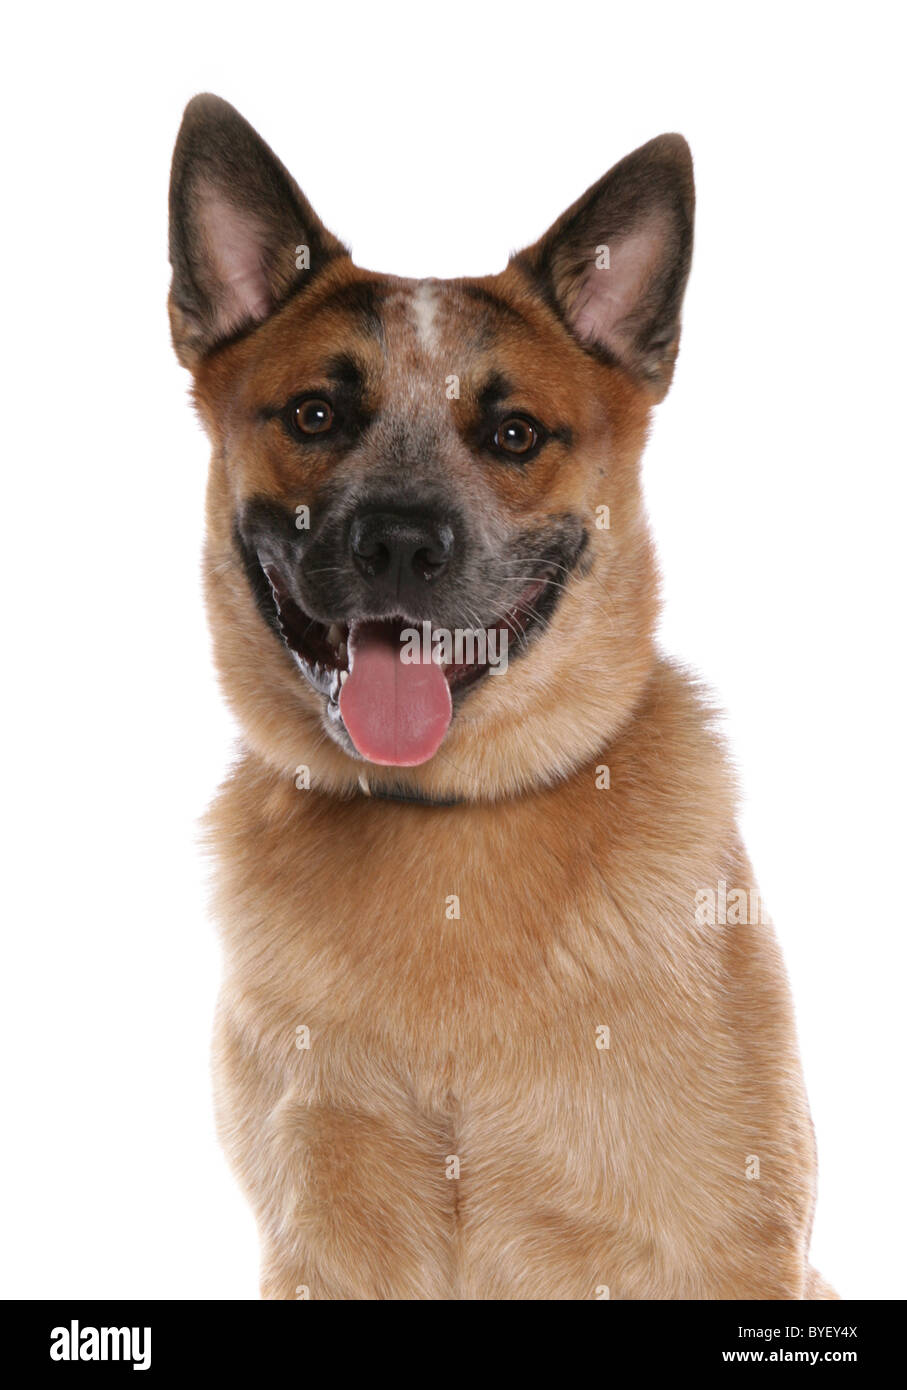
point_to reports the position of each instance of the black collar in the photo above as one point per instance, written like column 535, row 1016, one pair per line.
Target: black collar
column 406, row 794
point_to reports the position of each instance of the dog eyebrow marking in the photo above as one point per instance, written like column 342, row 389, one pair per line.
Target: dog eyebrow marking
column 346, row 371
column 342, row 371
column 496, row 390
column 363, row 299
column 424, row 305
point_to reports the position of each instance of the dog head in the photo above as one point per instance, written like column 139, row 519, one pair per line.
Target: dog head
column 451, row 463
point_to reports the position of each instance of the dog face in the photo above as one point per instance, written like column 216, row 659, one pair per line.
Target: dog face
column 453, row 459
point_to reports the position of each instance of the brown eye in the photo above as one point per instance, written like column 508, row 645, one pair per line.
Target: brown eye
column 515, row 436
column 313, row 417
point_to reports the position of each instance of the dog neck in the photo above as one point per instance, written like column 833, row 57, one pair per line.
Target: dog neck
column 407, row 794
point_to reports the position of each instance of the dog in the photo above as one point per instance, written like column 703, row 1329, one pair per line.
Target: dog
column 501, row 1016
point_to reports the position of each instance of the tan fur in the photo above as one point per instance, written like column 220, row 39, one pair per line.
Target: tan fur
column 434, row 1038
column 477, row 1038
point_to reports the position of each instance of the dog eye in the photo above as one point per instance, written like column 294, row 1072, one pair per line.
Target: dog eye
column 313, row 416
column 515, row 435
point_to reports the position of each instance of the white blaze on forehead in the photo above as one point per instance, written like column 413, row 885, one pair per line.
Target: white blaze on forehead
column 424, row 306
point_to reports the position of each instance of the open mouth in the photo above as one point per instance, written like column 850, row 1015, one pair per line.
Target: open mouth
column 396, row 710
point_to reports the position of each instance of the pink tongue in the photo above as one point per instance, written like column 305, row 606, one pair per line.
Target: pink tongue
column 395, row 712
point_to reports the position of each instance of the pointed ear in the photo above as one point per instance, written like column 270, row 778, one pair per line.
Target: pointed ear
column 615, row 265
column 242, row 236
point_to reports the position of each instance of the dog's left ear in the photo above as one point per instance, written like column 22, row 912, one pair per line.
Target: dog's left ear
column 615, row 265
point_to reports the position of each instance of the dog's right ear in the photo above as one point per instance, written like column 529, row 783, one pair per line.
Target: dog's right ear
column 242, row 235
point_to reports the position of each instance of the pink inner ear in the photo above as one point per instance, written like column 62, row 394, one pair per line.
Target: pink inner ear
column 235, row 245
column 606, row 297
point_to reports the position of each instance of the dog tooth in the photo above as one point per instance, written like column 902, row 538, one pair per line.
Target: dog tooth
column 335, row 634
column 343, row 676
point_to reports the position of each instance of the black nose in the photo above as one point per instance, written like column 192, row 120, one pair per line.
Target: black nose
column 400, row 553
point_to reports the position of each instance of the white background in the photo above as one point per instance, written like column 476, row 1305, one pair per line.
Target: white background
column 435, row 140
